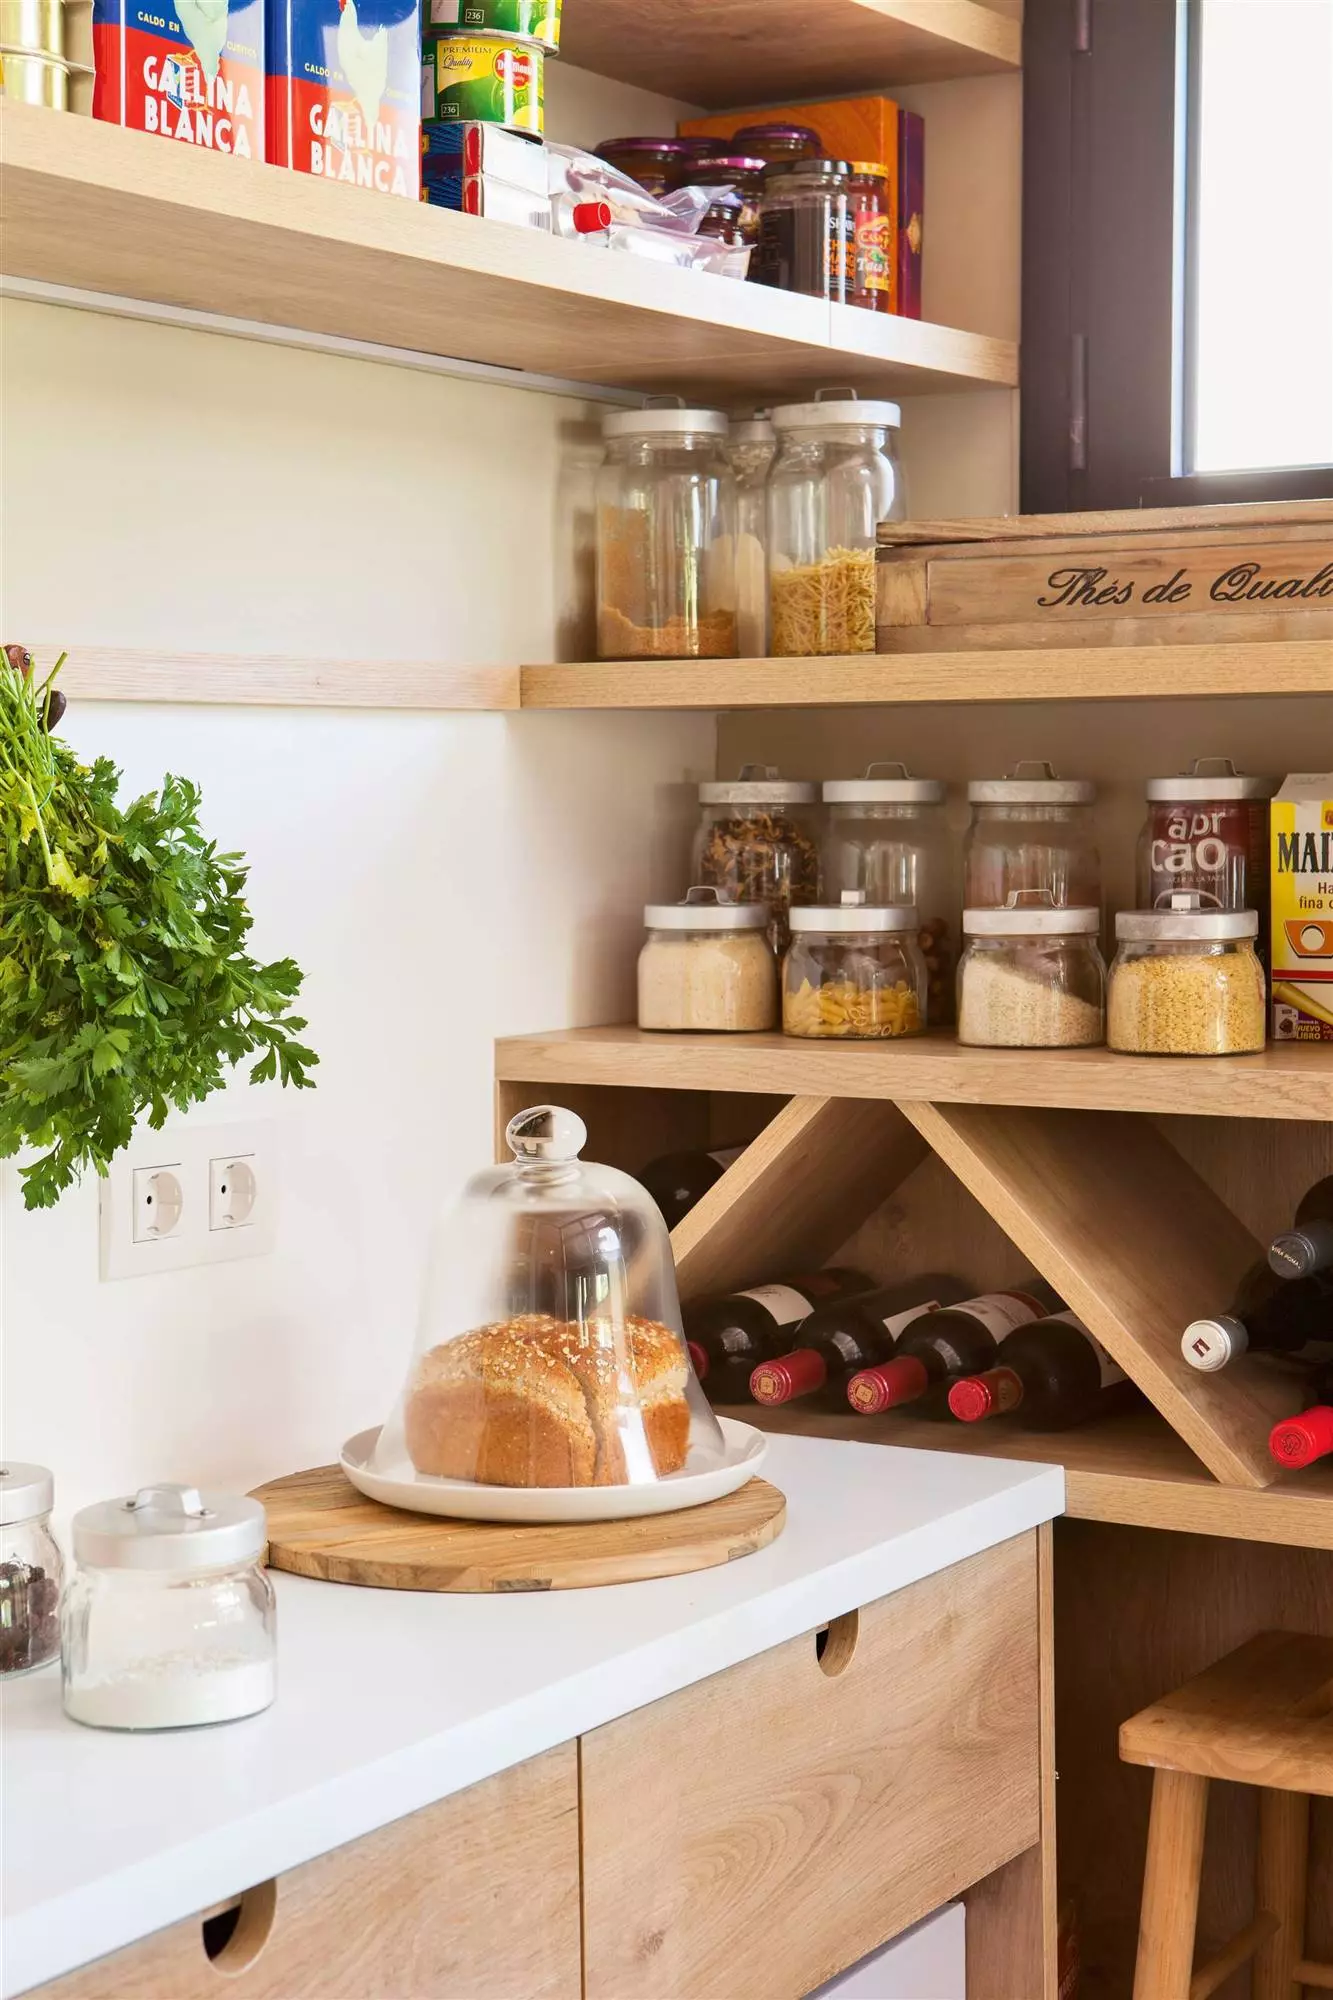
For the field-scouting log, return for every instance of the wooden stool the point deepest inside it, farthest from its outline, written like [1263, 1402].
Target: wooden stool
[1263, 1716]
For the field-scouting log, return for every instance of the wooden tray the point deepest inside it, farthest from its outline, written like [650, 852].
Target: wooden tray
[320, 1526]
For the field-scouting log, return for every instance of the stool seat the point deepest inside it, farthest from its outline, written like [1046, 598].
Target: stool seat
[1262, 1716]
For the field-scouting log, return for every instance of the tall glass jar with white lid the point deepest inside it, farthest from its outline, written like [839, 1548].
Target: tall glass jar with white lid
[169, 1617]
[758, 841]
[31, 1569]
[752, 445]
[887, 836]
[1031, 832]
[835, 478]
[666, 535]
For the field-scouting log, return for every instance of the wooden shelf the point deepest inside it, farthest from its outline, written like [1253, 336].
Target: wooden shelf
[1133, 1470]
[1284, 1081]
[727, 52]
[91, 206]
[1057, 673]
[106, 673]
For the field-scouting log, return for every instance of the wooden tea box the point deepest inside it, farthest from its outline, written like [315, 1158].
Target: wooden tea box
[1151, 576]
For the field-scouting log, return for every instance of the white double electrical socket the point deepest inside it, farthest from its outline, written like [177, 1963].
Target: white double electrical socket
[187, 1195]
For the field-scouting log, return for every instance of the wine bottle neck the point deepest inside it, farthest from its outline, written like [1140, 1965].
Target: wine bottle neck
[894, 1382]
[989, 1395]
[799, 1373]
[1298, 1441]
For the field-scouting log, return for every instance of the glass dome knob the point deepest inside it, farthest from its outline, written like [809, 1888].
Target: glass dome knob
[546, 1133]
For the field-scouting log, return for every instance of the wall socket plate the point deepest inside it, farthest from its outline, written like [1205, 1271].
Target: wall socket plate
[188, 1195]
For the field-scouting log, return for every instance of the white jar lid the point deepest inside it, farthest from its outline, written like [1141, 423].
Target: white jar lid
[1222, 781]
[170, 1527]
[853, 913]
[1185, 919]
[664, 416]
[836, 406]
[1032, 782]
[1032, 913]
[758, 785]
[899, 789]
[25, 1492]
[705, 909]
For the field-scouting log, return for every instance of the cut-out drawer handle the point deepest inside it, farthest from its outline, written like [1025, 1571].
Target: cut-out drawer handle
[836, 1642]
[235, 1933]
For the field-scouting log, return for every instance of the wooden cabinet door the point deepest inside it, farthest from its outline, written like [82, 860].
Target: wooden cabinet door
[756, 1833]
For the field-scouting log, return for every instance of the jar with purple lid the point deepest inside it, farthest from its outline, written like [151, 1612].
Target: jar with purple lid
[777, 142]
[656, 164]
[742, 173]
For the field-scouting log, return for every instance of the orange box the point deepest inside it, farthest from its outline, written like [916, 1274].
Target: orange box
[852, 128]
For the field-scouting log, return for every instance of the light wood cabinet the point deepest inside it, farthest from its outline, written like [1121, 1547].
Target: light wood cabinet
[759, 1831]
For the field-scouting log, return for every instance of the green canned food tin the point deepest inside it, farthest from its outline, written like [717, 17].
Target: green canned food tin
[487, 78]
[533, 20]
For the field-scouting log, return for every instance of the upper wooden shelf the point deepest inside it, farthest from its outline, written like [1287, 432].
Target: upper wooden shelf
[1284, 1081]
[104, 210]
[725, 52]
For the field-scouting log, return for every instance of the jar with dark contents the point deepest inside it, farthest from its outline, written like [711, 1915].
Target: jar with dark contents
[722, 220]
[806, 238]
[773, 143]
[30, 1570]
[738, 173]
[656, 164]
[872, 236]
[759, 839]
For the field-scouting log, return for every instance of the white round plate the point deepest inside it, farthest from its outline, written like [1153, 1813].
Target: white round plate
[465, 1500]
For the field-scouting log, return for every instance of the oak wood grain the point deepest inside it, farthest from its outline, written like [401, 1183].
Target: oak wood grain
[1262, 1716]
[271, 680]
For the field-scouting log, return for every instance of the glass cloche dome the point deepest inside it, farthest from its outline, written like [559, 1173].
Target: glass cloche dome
[549, 1351]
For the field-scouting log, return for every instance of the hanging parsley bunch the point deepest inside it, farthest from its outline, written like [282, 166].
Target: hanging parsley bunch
[125, 985]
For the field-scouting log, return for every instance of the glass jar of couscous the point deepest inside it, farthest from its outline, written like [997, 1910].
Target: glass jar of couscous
[1186, 981]
[853, 972]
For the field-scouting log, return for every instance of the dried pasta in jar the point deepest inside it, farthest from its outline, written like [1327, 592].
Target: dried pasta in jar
[853, 973]
[835, 479]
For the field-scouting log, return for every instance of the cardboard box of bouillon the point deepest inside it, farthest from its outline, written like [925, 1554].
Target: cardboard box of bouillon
[1302, 936]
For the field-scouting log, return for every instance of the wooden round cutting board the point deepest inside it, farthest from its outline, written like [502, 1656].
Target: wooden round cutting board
[320, 1526]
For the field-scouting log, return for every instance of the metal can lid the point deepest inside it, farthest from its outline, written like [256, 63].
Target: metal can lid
[1211, 778]
[758, 785]
[1032, 782]
[1186, 919]
[836, 406]
[1032, 913]
[853, 913]
[664, 416]
[25, 1492]
[900, 788]
[705, 909]
[170, 1528]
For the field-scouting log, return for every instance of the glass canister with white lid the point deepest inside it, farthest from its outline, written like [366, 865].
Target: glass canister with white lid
[758, 840]
[1207, 830]
[886, 835]
[1186, 981]
[752, 445]
[835, 478]
[169, 1617]
[853, 972]
[1031, 976]
[666, 535]
[1031, 831]
[31, 1569]
[707, 966]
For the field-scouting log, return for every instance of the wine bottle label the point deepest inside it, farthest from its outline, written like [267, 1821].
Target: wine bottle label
[783, 1303]
[895, 1322]
[1002, 1312]
[726, 1156]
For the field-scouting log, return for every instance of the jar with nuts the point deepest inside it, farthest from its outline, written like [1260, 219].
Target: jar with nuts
[758, 842]
[887, 837]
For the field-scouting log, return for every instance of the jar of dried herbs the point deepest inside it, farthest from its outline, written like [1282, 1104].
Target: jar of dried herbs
[758, 839]
[30, 1570]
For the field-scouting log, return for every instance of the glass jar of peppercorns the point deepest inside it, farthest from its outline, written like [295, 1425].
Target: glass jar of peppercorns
[30, 1570]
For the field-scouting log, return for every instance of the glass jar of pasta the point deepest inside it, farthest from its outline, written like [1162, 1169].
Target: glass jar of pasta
[853, 972]
[836, 477]
[758, 842]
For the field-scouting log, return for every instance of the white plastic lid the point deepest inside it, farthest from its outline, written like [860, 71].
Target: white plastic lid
[853, 913]
[1032, 913]
[1211, 778]
[900, 789]
[170, 1527]
[25, 1492]
[663, 416]
[1208, 1344]
[1032, 782]
[1185, 919]
[836, 406]
[758, 785]
[705, 909]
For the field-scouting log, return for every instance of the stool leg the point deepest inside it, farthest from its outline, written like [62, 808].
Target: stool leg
[1171, 1887]
[1284, 1845]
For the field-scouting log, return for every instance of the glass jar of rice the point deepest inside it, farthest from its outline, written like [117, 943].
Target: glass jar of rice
[1031, 976]
[1186, 981]
[835, 478]
[707, 965]
[854, 972]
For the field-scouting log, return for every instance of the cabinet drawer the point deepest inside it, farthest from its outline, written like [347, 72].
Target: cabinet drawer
[760, 1831]
[476, 1898]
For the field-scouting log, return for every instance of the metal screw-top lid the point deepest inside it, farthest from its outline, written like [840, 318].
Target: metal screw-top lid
[757, 429]
[1032, 782]
[25, 1492]
[1032, 913]
[895, 787]
[170, 1528]
[836, 406]
[706, 909]
[758, 785]
[1211, 778]
[1186, 919]
[853, 913]
[1208, 1344]
[663, 415]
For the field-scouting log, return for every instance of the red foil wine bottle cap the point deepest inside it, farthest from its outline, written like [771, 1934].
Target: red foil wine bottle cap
[988, 1395]
[1298, 1441]
[901, 1380]
[699, 1357]
[796, 1374]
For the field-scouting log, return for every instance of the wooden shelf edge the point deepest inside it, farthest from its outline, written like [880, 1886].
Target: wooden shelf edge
[1064, 673]
[104, 673]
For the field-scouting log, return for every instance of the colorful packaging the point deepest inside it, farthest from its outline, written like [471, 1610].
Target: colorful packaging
[480, 194]
[486, 79]
[533, 20]
[911, 198]
[342, 91]
[518, 158]
[190, 69]
[1302, 916]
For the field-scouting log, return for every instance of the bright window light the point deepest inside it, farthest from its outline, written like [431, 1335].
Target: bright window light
[1263, 326]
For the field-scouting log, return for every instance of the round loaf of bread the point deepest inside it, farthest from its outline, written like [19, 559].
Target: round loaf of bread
[634, 1381]
[497, 1407]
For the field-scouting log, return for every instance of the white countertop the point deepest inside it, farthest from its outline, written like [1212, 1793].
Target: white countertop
[388, 1700]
